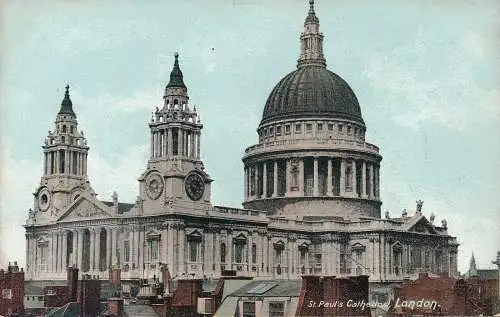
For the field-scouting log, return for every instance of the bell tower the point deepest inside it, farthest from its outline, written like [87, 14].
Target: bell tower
[175, 172]
[64, 175]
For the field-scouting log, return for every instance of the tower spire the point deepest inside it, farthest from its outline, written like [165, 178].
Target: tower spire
[176, 78]
[66, 104]
[311, 51]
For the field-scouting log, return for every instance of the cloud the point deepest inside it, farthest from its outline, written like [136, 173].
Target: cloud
[449, 92]
[18, 180]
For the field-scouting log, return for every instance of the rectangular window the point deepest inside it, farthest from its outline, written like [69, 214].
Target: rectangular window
[287, 129]
[249, 309]
[349, 129]
[309, 127]
[330, 127]
[278, 130]
[277, 309]
[271, 131]
[265, 132]
[7, 293]
[126, 250]
[297, 128]
[341, 128]
[239, 249]
[193, 251]
[254, 253]
[154, 250]
[320, 126]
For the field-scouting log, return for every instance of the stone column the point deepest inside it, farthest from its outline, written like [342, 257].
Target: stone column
[52, 251]
[152, 146]
[301, 177]
[257, 179]
[249, 253]
[74, 253]
[108, 248]
[140, 264]
[354, 179]
[67, 157]
[275, 179]
[114, 242]
[329, 182]
[198, 145]
[229, 251]
[169, 142]
[342, 177]
[182, 248]
[85, 164]
[170, 247]
[376, 182]
[208, 254]
[92, 249]
[97, 250]
[316, 179]
[162, 256]
[80, 250]
[371, 194]
[64, 251]
[363, 180]
[264, 180]
[217, 252]
[288, 169]
[245, 185]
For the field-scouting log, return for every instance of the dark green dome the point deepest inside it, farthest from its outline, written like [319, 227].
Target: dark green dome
[312, 91]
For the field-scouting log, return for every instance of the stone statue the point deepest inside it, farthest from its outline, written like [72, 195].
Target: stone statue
[419, 206]
[432, 217]
[31, 217]
[404, 213]
[444, 224]
[387, 216]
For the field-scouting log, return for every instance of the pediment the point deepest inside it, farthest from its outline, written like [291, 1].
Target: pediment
[85, 208]
[421, 225]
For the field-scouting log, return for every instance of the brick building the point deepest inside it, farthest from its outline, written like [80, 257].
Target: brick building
[12, 291]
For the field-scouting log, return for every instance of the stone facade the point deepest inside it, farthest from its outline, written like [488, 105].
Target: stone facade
[312, 202]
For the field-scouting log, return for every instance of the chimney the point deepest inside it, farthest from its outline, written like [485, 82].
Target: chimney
[311, 290]
[89, 296]
[115, 280]
[187, 293]
[115, 307]
[72, 282]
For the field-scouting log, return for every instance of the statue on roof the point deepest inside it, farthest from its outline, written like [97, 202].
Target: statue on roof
[432, 217]
[444, 224]
[419, 206]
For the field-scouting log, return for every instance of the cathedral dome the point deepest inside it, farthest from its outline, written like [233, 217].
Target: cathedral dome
[312, 90]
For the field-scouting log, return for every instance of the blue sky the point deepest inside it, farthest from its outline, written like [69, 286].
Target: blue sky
[426, 74]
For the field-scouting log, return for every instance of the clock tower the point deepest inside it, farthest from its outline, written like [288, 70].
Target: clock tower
[64, 175]
[175, 174]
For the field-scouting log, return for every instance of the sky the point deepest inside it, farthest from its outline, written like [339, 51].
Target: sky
[426, 74]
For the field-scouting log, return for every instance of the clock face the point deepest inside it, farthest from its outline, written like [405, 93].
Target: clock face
[154, 186]
[194, 185]
[44, 198]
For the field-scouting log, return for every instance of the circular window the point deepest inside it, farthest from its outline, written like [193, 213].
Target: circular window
[44, 199]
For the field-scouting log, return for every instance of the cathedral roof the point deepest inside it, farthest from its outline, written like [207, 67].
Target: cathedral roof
[312, 89]
[66, 104]
[176, 78]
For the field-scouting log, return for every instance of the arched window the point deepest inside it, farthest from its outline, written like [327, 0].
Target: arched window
[254, 253]
[239, 248]
[71, 129]
[64, 129]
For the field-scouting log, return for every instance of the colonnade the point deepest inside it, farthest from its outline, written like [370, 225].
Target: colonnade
[65, 162]
[254, 253]
[312, 176]
[173, 141]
